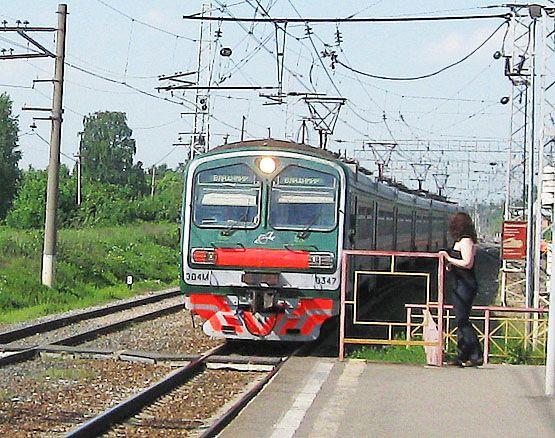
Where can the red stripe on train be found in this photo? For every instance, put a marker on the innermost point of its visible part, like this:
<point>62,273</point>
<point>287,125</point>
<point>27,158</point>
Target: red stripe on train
<point>261,258</point>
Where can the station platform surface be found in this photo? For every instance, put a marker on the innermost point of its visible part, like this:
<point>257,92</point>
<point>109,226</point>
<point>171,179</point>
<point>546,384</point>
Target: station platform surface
<point>322,397</point>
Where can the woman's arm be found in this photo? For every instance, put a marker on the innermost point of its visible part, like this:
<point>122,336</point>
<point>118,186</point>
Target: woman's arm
<point>467,254</point>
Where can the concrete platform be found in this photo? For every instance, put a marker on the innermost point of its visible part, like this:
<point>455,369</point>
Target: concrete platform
<point>315,397</point>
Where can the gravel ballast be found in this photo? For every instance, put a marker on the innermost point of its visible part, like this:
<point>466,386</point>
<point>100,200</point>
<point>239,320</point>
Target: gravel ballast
<point>172,333</point>
<point>89,324</point>
<point>18,325</point>
<point>48,397</point>
<point>184,410</point>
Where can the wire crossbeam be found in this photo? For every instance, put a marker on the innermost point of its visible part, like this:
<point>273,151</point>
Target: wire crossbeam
<point>36,51</point>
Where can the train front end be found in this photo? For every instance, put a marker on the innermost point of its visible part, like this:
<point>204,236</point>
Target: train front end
<point>261,241</point>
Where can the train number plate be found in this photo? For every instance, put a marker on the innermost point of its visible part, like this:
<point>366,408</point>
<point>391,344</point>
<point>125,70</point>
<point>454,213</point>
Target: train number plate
<point>325,280</point>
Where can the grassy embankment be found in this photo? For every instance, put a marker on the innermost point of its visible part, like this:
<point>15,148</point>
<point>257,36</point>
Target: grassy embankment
<point>91,268</point>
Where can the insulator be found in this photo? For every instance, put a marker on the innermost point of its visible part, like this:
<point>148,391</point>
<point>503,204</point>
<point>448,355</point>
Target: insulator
<point>218,33</point>
<point>338,37</point>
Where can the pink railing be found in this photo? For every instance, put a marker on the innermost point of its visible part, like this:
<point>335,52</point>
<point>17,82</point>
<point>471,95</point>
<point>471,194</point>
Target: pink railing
<point>343,340</point>
<point>534,335</point>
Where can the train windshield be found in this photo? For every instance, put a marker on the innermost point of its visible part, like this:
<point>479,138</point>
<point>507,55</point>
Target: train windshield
<point>303,199</point>
<point>227,197</point>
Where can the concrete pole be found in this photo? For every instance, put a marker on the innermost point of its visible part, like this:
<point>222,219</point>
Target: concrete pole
<point>79,196</point>
<point>50,231</point>
<point>152,182</point>
<point>550,360</point>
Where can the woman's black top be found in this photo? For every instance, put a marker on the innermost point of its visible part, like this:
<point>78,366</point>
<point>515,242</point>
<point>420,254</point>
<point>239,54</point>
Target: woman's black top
<point>467,276</point>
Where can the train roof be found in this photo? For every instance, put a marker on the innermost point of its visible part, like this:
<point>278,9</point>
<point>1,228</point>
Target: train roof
<point>387,187</point>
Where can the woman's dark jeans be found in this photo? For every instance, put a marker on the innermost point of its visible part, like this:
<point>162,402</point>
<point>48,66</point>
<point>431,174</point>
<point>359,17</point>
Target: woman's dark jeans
<point>468,346</point>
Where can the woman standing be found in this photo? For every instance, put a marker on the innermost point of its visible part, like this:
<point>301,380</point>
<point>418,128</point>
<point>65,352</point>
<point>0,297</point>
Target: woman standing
<point>460,261</point>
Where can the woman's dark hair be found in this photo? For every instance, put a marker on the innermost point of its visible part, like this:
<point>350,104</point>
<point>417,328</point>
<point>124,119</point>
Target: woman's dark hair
<point>460,225</point>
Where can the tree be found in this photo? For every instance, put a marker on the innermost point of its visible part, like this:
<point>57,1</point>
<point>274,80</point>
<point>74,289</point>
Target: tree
<point>165,205</point>
<point>28,209</point>
<point>9,156</point>
<point>108,149</point>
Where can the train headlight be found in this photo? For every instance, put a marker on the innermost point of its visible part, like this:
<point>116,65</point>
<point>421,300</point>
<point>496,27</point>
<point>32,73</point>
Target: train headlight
<point>204,256</point>
<point>267,165</point>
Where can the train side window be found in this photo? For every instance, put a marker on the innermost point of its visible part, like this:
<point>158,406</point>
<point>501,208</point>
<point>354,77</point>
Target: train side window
<point>353,220</point>
<point>375,226</point>
<point>395,226</point>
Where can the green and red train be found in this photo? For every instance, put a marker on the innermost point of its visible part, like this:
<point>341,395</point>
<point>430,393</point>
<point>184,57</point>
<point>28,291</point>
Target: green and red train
<point>264,224</point>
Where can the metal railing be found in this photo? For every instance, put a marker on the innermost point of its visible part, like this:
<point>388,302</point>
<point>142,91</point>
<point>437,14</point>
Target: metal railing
<point>504,332</point>
<point>432,343</point>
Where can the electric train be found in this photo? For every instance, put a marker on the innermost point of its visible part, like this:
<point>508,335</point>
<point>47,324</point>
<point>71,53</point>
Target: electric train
<point>264,224</point>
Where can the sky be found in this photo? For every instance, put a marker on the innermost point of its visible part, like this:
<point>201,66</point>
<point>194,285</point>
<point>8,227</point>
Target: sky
<point>117,49</point>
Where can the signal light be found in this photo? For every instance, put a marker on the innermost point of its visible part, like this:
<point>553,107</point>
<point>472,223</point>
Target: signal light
<point>204,256</point>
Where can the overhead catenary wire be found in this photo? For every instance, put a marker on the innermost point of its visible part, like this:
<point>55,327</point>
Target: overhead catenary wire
<point>144,23</point>
<point>284,20</point>
<point>427,75</point>
<point>125,84</point>
<point>181,100</point>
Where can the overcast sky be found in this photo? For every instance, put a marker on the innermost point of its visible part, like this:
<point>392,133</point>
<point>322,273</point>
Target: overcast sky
<point>459,104</point>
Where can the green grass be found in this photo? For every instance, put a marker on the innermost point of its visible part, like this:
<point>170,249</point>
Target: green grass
<point>91,268</point>
<point>66,374</point>
<point>392,354</point>
<point>6,395</point>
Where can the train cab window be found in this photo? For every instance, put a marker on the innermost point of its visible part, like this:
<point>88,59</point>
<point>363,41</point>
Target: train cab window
<point>227,197</point>
<point>303,199</point>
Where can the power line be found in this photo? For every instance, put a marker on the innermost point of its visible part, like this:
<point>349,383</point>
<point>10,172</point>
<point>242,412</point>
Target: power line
<point>144,23</point>
<point>16,86</point>
<point>125,84</point>
<point>364,9</point>
<point>424,76</point>
<point>348,20</point>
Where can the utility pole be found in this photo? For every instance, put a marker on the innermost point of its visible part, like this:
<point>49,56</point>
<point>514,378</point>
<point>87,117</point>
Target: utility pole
<point>79,195</point>
<point>50,229</point>
<point>152,182</point>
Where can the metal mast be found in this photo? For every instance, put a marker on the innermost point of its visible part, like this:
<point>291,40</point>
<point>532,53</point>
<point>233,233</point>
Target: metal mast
<point>518,69</point>
<point>529,67</point>
<point>201,125</point>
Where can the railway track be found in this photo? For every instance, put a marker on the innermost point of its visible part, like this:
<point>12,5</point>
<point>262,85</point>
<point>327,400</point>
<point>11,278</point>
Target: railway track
<point>24,343</point>
<point>142,413</point>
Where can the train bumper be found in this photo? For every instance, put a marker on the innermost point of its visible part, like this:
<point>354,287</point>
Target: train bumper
<point>298,319</point>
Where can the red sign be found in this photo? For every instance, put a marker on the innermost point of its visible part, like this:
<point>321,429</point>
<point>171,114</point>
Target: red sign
<point>514,240</point>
